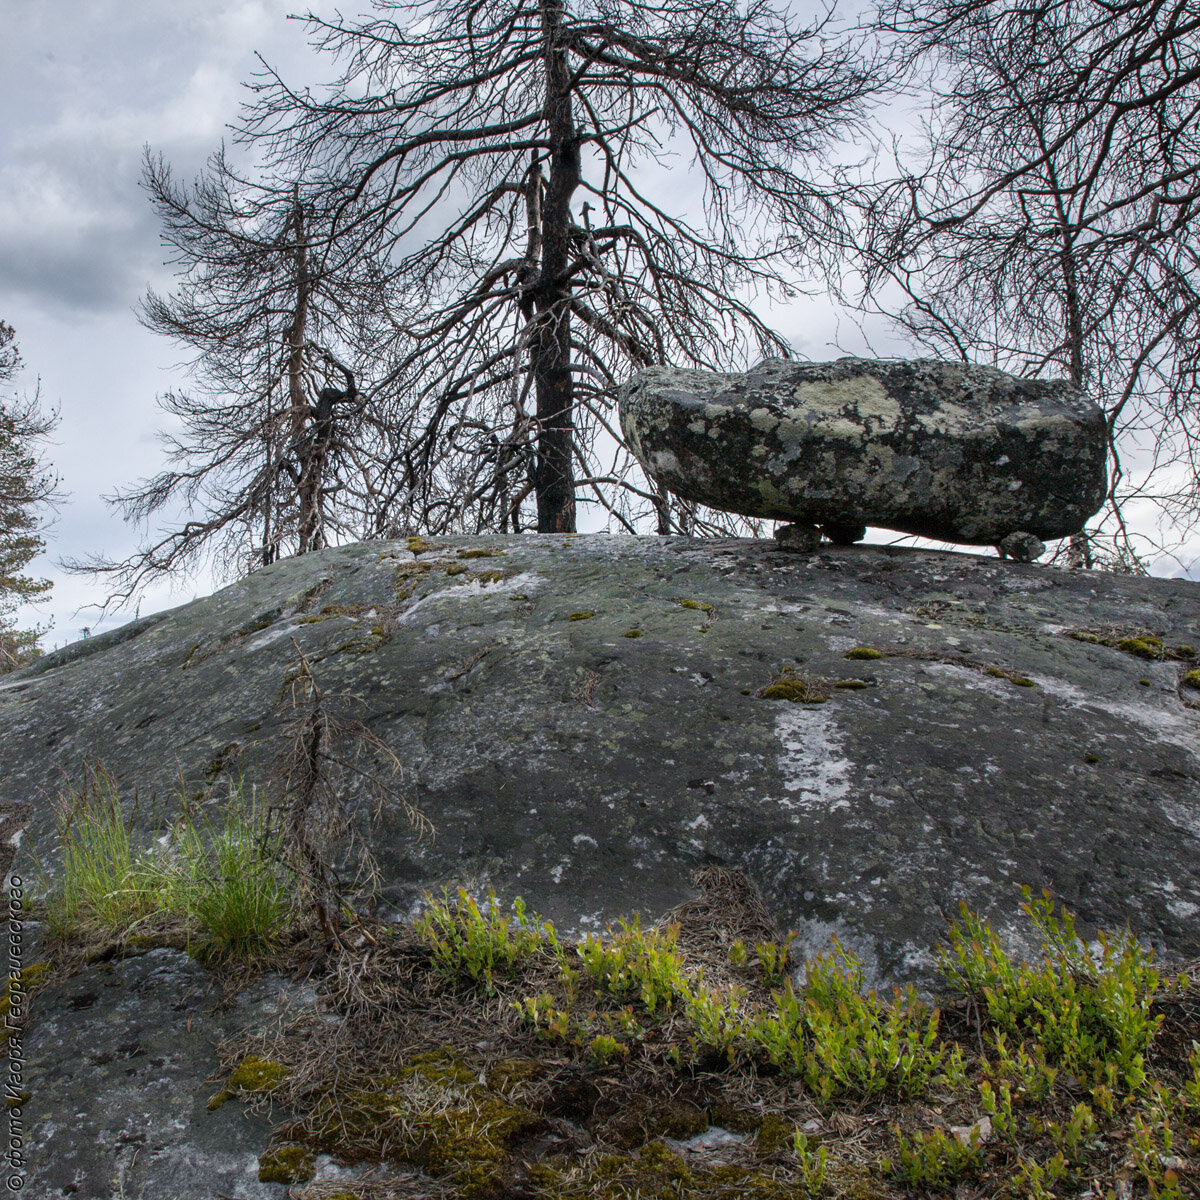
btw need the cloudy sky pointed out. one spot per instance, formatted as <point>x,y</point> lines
<point>83,88</point>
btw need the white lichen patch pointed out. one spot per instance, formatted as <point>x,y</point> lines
<point>1183,816</point>
<point>279,630</point>
<point>816,773</point>
<point>840,644</point>
<point>948,418</point>
<point>1002,689</point>
<point>525,582</point>
<point>1162,723</point>
<point>764,420</point>
<point>664,462</point>
<point>823,400</point>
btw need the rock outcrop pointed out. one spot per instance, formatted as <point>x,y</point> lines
<point>580,719</point>
<point>942,450</point>
<point>871,734</point>
<point>120,1075</point>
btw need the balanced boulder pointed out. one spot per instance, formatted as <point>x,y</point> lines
<point>944,450</point>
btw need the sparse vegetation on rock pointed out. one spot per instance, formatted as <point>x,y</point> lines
<point>607,1062</point>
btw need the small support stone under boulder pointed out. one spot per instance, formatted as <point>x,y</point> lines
<point>944,450</point>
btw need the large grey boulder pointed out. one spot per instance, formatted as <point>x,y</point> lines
<point>943,450</point>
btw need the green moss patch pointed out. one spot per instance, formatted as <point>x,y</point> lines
<point>19,987</point>
<point>407,576</point>
<point>581,616</point>
<point>1012,677</point>
<point>286,1164</point>
<point>1141,643</point>
<point>255,1076</point>
<point>1142,647</point>
<point>863,652</point>
<point>795,687</point>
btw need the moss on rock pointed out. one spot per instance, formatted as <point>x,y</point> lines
<point>1144,646</point>
<point>286,1164</point>
<point>256,1076</point>
<point>796,688</point>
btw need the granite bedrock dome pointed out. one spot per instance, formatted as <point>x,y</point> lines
<point>999,735</point>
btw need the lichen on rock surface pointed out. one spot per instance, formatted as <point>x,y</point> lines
<point>955,783</point>
<point>946,450</point>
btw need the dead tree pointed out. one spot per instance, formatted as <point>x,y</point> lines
<point>268,460</point>
<point>505,162</point>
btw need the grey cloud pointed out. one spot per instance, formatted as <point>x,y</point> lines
<point>95,269</point>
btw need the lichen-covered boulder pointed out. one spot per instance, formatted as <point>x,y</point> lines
<point>945,450</point>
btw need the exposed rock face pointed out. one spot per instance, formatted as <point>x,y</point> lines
<point>591,771</point>
<point>118,1062</point>
<point>943,450</point>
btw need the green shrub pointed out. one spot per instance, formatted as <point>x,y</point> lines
<point>840,1038</point>
<point>636,961</point>
<point>1090,1015</point>
<point>475,942</point>
<point>934,1159</point>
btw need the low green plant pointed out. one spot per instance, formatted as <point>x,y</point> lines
<point>604,1049</point>
<point>1191,1088</point>
<point>634,961</point>
<point>1152,1144</point>
<point>813,1161</point>
<point>935,1159</point>
<point>841,1038</point>
<point>1072,1136</point>
<point>997,1102</point>
<point>868,1046</point>
<point>551,1023</point>
<point>1025,1068</point>
<point>1035,1181</point>
<point>1090,1014</point>
<point>475,942</point>
<point>107,883</point>
<point>773,960</point>
<point>719,1017</point>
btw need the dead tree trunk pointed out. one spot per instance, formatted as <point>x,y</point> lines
<point>551,344</point>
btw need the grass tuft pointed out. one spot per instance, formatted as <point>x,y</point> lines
<point>215,881</point>
<point>108,884</point>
